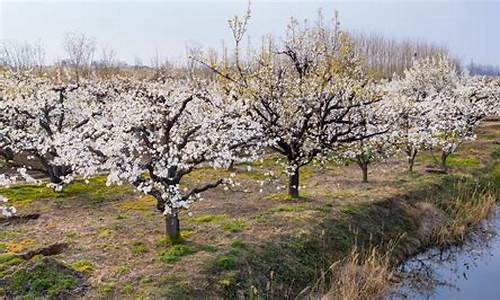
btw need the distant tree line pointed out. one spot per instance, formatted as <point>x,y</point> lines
<point>382,56</point>
<point>483,70</point>
<point>387,56</point>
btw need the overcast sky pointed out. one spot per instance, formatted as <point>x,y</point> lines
<point>140,28</point>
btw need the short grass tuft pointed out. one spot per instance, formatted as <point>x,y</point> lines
<point>175,253</point>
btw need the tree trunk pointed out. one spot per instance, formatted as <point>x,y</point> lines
<point>363,165</point>
<point>7,154</point>
<point>293,184</point>
<point>56,172</point>
<point>444,156</point>
<point>411,159</point>
<point>364,168</point>
<point>172,226</point>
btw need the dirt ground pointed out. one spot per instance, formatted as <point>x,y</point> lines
<point>119,236</point>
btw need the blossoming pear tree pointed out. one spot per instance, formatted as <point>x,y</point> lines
<point>43,119</point>
<point>459,110</point>
<point>413,95</point>
<point>302,90</point>
<point>377,123</point>
<point>162,131</point>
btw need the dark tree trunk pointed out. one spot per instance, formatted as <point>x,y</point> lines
<point>444,156</point>
<point>172,226</point>
<point>411,159</point>
<point>7,154</point>
<point>231,166</point>
<point>364,168</point>
<point>363,165</point>
<point>56,172</point>
<point>293,184</point>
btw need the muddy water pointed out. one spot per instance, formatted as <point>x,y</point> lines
<point>471,271</point>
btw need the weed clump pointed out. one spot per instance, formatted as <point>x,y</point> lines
<point>466,203</point>
<point>43,278</point>
<point>234,226</point>
<point>83,266</point>
<point>357,277</point>
<point>138,248</point>
<point>175,253</point>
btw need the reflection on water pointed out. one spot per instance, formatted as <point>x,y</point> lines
<point>471,271</point>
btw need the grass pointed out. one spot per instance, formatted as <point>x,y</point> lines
<point>167,242</point>
<point>175,253</point>
<point>353,210</point>
<point>139,248</point>
<point>466,204</point>
<point>289,208</point>
<point>23,195</point>
<point>17,246</point>
<point>234,226</point>
<point>43,279</point>
<point>83,266</point>
<point>208,248</point>
<point>95,191</point>
<point>229,260</point>
<point>7,261</point>
<point>141,204</point>
<point>209,219</point>
<point>225,262</point>
<point>356,277</point>
<point>229,225</point>
<point>495,154</point>
<point>453,161</point>
<point>284,197</point>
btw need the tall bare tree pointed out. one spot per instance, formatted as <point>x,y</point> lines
<point>80,50</point>
<point>22,55</point>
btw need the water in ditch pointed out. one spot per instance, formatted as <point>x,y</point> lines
<point>471,271</point>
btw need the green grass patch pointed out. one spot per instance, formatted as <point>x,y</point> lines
<point>167,242</point>
<point>23,195</point>
<point>6,262</point>
<point>175,253</point>
<point>353,210</point>
<point>106,289</point>
<point>103,232</point>
<point>206,174</point>
<point>7,235</point>
<point>139,248</point>
<point>209,219</point>
<point>95,191</point>
<point>284,197</point>
<point>83,266</point>
<point>289,208</point>
<point>463,163</point>
<point>225,262</point>
<point>45,278</point>
<point>495,154</point>
<point>127,289</point>
<point>229,260</point>
<point>229,225</point>
<point>208,248</point>
<point>495,175</point>
<point>234,226</point>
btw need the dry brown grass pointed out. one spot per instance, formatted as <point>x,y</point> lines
<point>470,206</point>
<point>357,276</point>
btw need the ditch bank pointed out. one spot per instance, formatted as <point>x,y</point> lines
<point>437,214</point>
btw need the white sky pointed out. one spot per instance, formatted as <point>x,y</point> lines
<point>140,28</point>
